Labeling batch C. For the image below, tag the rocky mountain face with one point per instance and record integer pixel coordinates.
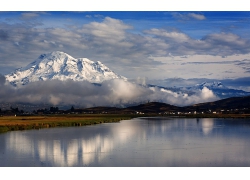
(61, 66)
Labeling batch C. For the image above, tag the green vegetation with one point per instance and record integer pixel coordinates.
(3, 129)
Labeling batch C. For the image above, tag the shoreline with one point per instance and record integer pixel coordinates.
(12, 123)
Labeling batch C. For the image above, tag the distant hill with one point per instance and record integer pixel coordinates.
(152, 107)
(228, 103)
(157, 107)
(233, 103)
(101, 109)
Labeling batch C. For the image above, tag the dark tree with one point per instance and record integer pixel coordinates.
(53, 109)
(14, 109)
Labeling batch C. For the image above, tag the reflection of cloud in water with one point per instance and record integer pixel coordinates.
(130, 143)
(86, 150)
(58, 155)
(95, 145)
(70, 152)
(42, 151)
(20, 144)
(207, 125)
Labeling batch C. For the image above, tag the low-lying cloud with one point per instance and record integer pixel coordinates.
(114, 92)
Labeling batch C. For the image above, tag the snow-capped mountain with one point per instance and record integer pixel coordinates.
(212, 85)
(221, 91)
(61, 66)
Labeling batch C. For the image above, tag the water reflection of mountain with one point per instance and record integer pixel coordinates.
(126, 141)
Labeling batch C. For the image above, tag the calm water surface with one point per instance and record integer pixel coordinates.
(137, 142)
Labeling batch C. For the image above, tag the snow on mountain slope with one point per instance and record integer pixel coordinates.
(213, 85)
(220, 90)
(61, 66)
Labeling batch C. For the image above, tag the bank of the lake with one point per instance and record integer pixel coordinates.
(14, 123)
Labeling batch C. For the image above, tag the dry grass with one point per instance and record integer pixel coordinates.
(10, 123)
(28, 120)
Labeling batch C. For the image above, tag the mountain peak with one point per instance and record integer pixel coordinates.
(213, 85)
(61, 66)
(54, 55)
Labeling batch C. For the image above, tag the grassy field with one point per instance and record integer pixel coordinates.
(12, 123)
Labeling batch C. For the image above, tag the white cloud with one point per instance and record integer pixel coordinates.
(196, 16)
(188, 16)
(109, 29)
(29, 15)
(207, 94)
(111, 93)
(220, 44)
(173, 36)
(227, 44)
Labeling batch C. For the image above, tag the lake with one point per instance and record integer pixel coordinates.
(140, 142)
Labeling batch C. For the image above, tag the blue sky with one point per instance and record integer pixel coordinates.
(154, 45)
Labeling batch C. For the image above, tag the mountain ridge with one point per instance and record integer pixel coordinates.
(233, 104)
(228, 105)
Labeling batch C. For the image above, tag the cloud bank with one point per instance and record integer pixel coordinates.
(84, 94)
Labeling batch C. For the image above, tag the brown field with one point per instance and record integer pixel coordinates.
(11, 123)
(28, 120)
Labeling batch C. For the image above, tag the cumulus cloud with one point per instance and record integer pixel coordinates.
(29, 15)
(188, 16)
(110, 93)
(219, 44)
(183, 99)
(227, 43)
(110, 30)
(196, 16)
(169, 35)
(110, 40)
